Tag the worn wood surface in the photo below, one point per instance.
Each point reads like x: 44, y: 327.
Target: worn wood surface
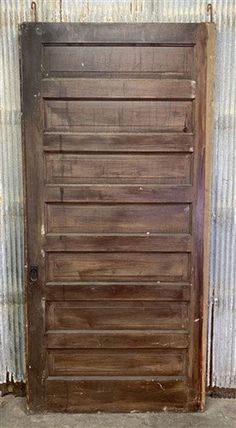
x: 211, y: 55
x: 155, y: 290
x: 105, y: 142
x: 116, y: 362
x: 140, y: 193
x: 91, y: 394
x: 118, y: 168
x: 115, y: 140
x: 130, y: 218
x: 111, y: 315
x: 71, y: 60
x: 119, y: 88
x: 117, y: 115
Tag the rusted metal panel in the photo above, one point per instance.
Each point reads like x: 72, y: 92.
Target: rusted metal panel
x: 222, y: 345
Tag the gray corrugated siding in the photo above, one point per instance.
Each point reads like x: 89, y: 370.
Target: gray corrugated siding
x: 223, y: 228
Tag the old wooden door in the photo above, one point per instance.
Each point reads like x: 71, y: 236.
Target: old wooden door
x: 114, y: 119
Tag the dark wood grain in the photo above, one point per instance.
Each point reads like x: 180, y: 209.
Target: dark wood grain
x: 117, y: 315
x: 79, y: 218
x: 114, y: 119
x: 118, y: 339
x: 97, y: 60
x: 112, y: 33
x: 34, y: 209
x: 142, y: 142
x: 141, y: 193
x: 114, y: 362
x: 116, y: 395
x: 117, y: 116
x: 117, y: 291
x: 119, y: 88
x: 199, y: 172
x: 119, y: 243
x: 118, y: 266
x: 158, y: 168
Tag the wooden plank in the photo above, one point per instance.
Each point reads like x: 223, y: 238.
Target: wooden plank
x: 117, y: 116
x: 32, y: 125
x: 114, y: 243
x: 79, y: 142
x: 115, y: 362
x: 117, y: 266
x: 122, y: 194
x: 116, y: 315
x: 196, y: 306
x: 114, y: 395
x: 118, y: 88
x: 158, y: 168
x: 123, y: 33
x: 122, y: 218
x: 211, y: 56
x: 117, y: 291
x: 115, y: 339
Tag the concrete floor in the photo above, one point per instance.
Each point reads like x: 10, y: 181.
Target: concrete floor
x: 220, y: 413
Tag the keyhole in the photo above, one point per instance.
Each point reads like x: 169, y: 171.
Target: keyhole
x: 33, y: 273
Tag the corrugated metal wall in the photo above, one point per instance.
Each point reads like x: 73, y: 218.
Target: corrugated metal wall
x: 222, y: 324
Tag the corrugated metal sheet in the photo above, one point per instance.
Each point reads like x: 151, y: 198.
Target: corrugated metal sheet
x: 223, y: 259
x: 222, y: 367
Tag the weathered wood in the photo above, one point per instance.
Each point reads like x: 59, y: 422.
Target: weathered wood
x: 117, y: 116
x: 210, y: 57
x: 129, y: 218
x: 199, y: 170
x: 119, y: 88
x: 119, y: 266
x: 116, y: 243
x: 146, y: 142
x: 114, y: 362
x: 117, y: 315
x: 159, y: 168
x: 122, y: 33
x: 32, y: 125
x: 116, y: 395
x: 103, y: 60
x: 117, y: 339
x: 115, y: 139
x: 119, y: 194
x: 117, y: 291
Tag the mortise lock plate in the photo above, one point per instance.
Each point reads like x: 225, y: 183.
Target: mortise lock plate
x: 33, y: 273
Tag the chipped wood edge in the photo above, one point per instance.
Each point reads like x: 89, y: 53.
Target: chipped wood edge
x: 210, y: 51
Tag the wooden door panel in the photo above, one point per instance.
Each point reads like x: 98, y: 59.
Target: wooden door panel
x: 119, y: 88
x: 117, y: 116
x: 120, y: 339
x: 101, y: 142
x: 139, y: 193
x: 117, y: 315
x: 109, y: 393
x: 78, y: 218
x: 84, y: 290
x: 117, y: 266
x: 120, y: 243
x: 113, y: 362
x: 114, y: 120
x: 73, y: 60
x: 160, y: 168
